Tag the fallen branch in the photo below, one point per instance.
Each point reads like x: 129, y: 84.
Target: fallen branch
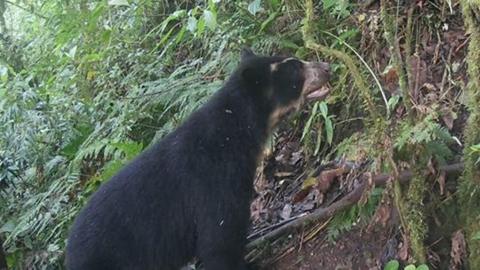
x: 347, y: 201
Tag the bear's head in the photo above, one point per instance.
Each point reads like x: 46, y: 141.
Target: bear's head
x: 282, y: 84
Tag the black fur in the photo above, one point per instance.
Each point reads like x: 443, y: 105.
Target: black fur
x: 189, y: 194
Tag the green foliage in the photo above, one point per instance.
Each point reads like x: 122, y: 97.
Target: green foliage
x: 314, y: 118
x: 86, y: 85
x: 339, y: 8
x: 428, y: 134
x: 475, y: 151
x: 345, y: 220
x: 395, y: 265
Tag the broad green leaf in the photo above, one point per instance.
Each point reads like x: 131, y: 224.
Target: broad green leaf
x: 329, y: 130
x: 392, y: 265
x: 410, y: 267
x: 476, y: 148
x: 210, y: 19
x: 181, y: 34
x: 422, y: 267
x: 324, y: 109
x: 318, y: 143
x: 130, y: 149
x: 118, y: 2
x: 476, y: 236
x: 254, y: 7
x: 393, y: 101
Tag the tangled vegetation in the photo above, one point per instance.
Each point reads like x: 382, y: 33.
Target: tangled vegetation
x: 86, y: 85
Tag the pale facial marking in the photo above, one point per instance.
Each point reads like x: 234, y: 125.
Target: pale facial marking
x: 274, y: 66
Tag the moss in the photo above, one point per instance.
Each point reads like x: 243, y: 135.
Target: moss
x: 415, y: 216
x: 394, y: 47
x: 469, y: 195
x: 308, y: 37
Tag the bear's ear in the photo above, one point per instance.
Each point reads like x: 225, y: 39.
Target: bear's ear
x: 246, y: 53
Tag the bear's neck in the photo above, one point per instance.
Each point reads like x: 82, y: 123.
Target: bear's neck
x: 231, y: 122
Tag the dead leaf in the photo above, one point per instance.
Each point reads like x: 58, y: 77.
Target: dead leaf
x: 448, y: 117
x: 301, y: 195
x: 403, y: 251
x: 325, y: 179
x: 390, y: 77
x: 419, y: 75
x: 458, y: 251
x: 382, y: 215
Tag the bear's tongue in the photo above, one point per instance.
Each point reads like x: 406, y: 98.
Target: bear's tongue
x: 319, y: 93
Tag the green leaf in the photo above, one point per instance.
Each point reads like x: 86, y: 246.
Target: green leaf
x: 267, y: 22
x: 324, y: 109
x: 318, y: 142
x: 410, y: 267
x: 392, y: 265
x: 130, y: 149
x: 392, y: 102
x: 180, y: 34
x: 475, y: 148
x: 118, y: 2
x: 254, y: 7
x: 422, y: 267
x: 329, y: 130
x: 201, y: 25
x: 210, y: 19
x: 476, y: 236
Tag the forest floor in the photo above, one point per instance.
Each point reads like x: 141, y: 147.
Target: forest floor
x: 289, y: 186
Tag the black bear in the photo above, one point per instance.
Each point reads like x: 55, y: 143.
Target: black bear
x: 188, y: 195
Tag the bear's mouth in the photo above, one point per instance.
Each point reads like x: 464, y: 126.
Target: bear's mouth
x: 316, y: 75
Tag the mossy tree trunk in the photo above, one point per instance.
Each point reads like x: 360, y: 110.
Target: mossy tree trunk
x: 469, y: 194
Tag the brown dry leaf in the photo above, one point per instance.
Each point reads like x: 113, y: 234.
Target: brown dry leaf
x: 448, y: 116
x: 325, y: 179
x: 307, y: 186
x: 390, y: 77
x: 459, y: 250
x: 257, y: 208
x: 403, y: 251
x: 301, y: 195
x: 419, y: 75
x: 383, y: 214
